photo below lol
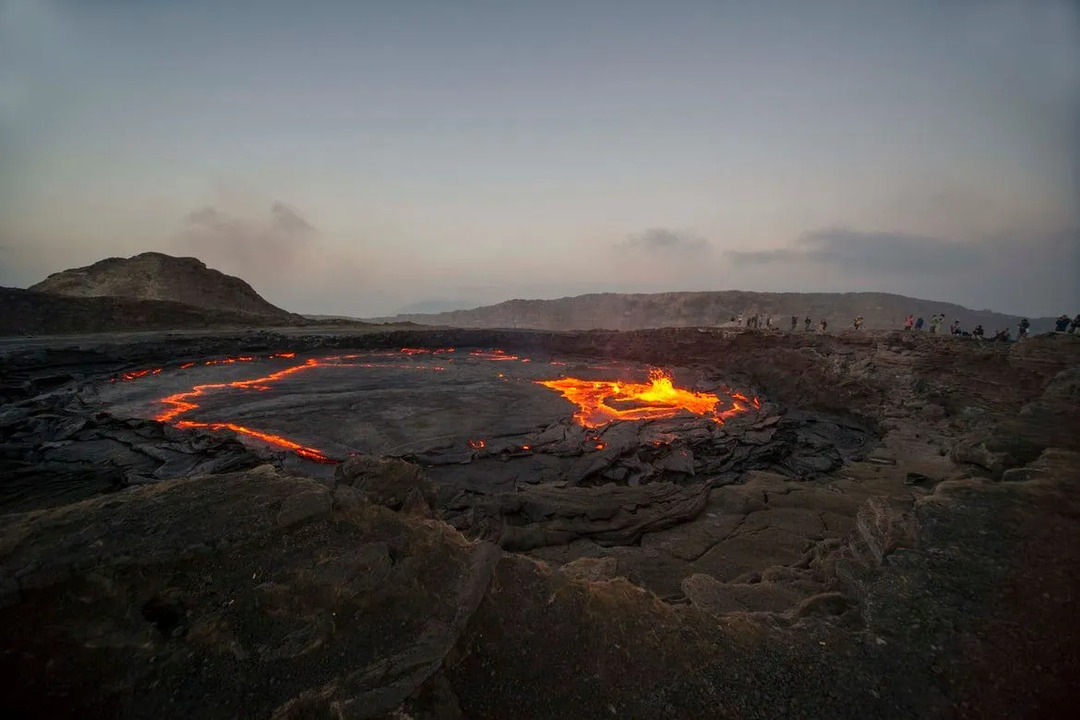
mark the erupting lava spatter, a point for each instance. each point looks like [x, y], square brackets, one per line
[601, 401]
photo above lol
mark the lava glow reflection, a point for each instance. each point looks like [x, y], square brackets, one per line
[601, 401]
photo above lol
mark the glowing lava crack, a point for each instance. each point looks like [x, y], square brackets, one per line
[181, 403]
[601, 401]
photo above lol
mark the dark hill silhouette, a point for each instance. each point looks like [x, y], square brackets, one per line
[618, 311]
[156, 276]
[26, 312]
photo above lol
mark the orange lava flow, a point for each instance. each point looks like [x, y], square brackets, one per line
[184, 402]
[496, 355]
[179, 404]
[602, 401]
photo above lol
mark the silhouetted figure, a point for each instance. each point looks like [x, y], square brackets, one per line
[807, 329]
[977, 332]
[1023, 325]
[823, 325]
[909, 322]
[795, 322]
[955, 329]
[1061, 324]
[858, 323]
[935, 323]
[1075, 324]
[768, 322]
[919, 324]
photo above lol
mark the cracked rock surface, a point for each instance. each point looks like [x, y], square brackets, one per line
[889, 538]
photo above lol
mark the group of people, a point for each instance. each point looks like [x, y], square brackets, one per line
[936, 325]
[1061, 324]
[769, 323]
[1064, 324]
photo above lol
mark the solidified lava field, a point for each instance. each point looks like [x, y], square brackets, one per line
[533, 451]
[674, 523]
[416, 402]
[544, 419]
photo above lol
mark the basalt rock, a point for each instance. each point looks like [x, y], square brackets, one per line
[607, 515]
[391, 483]
[795, 590]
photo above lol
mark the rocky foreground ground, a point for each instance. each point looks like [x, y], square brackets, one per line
[926, 568]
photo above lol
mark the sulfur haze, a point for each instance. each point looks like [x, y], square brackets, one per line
[361, 157]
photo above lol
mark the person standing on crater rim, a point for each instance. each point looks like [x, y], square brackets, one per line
[1023, 326]
[807, 329]
[1075, 324]
[858, 323]
[823, 325]
[909, 322]
[795, 322]
[1062, 323]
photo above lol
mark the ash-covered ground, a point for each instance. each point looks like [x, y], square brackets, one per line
[369, 524]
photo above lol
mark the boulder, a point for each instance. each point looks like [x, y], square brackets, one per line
[389, 482]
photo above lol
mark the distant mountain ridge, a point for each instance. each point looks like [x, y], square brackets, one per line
[622, 311]
[159, 277]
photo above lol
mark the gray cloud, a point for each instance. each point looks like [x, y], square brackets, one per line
[873, 252]
[1021, 271]
[264, 248]
[664, 242]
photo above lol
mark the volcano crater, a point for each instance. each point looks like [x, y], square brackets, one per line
[532, 453]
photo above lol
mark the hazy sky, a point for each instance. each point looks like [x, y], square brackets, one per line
[357, 157]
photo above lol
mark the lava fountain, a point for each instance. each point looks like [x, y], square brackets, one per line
[602, 401]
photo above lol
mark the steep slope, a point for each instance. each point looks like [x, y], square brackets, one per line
[617, 311]
[155, 276]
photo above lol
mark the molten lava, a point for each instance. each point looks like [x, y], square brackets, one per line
[496, 355]
[179, 404]
[182, 403]
[601, 401]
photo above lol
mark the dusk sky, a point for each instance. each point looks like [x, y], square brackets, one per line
[359, 157]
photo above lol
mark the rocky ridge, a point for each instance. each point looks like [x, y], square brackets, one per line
[628, 311]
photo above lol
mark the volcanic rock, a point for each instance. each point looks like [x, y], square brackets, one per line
[804, 580]
[608, 515]
[156, 276]
[394, 484]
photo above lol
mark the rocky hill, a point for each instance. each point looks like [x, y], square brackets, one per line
[618, 311]
[156, 276]
[26, 312]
